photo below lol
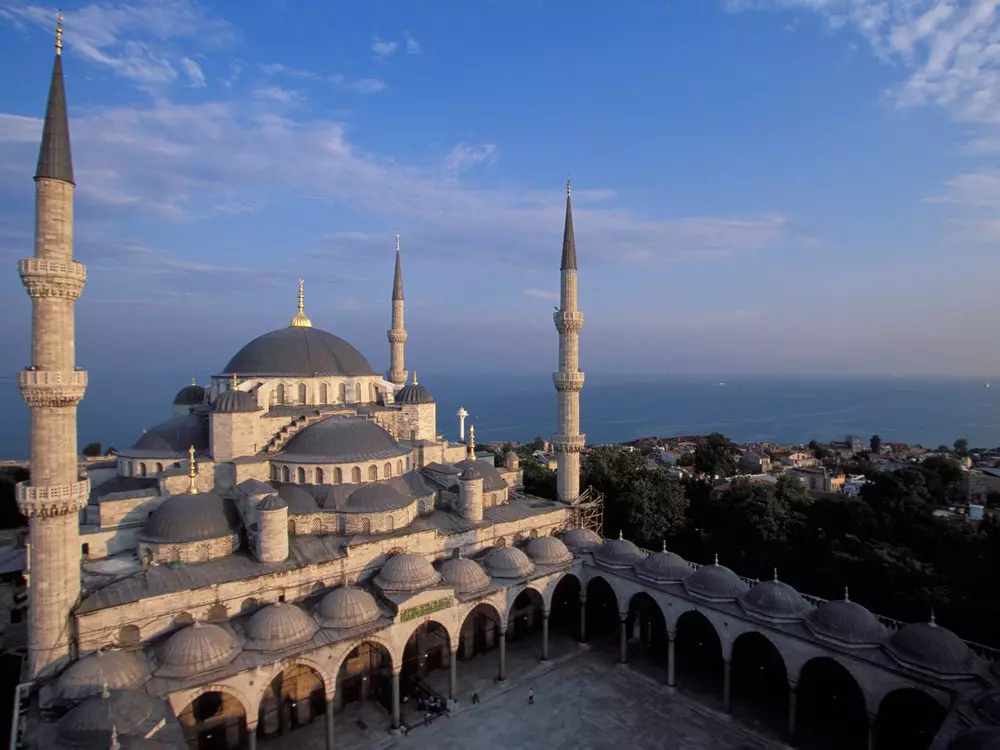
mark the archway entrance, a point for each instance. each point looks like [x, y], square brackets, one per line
[294, 698]
[831, 708]
[699, 656]
[759, 683]
[213, 721]
[603, 620]
[564, 616]
[525, 616]
[908, 719]
[479, 633]
[426, 650]
[366, 674]
[647, 632]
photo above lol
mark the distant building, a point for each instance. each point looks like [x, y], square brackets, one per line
[752, 462]
[819, 479]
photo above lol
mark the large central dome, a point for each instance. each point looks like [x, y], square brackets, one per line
[300, 351]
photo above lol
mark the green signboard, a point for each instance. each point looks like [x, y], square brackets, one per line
[425, 609]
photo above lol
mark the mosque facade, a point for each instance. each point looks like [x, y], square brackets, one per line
[299, 536]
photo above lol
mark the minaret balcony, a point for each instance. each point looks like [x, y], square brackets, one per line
[52, 387]
[568, 381]
[568, 321]
[569, 443]
[397, 335]
[52, 278]
[52, 500]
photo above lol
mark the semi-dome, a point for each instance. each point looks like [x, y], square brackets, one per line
[343, 439]
[375, 498]
[174, 436]
[272, 502]
[126, 711]
[301, 351]
[715, 582]
[197, 649]
[279, 626]
[413, 393]
[190, 518]
[927, 645]
[119, 670]
[299, 500]
[406, 573]
[978, 738]
[547, 550]
[846, 621]
[465, 576]
[775, 600]
[190, 395]
[509, 562]
[235, 402]
[664, 567]
[471, 473]
[492, 479]
[618, 553]
[581, 539]
[347, 607]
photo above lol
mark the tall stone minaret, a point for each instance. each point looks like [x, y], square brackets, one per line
[568, 441]
[397, 334]
[52, 387]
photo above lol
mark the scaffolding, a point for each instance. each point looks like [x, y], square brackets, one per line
[588, 511]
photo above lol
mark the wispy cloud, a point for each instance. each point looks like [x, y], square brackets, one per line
[382, 48]
[357, 85]
[541, 294]
[413, 47]
[276, 94]
[463, 156]
[976, 189]
[194, 72]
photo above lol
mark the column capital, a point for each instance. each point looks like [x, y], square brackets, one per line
[623, 616]
[397, 671]
[671, 635]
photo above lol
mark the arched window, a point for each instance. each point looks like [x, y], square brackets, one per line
[371, 393]
[319, 476]
[343, 392]
[285, 474]
[142, 469]
[399, 466]
[387, 470]
[373, 473]
[356, 475]
[274, 473]
[407, 463]
[338, 476]
[159, 468]
[291, 527]
[317, 526]
[301, 475]
[302, 393]
[128, 468]
[324, 393]
[389, 523]
[366, 526]
[280, 398]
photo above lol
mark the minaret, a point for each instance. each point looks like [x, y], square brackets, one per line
[53, 386]
[568, 441]
[397, 334]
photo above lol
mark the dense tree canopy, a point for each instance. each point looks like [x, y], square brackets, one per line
[716, 457]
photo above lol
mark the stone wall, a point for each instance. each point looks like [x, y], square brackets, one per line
[107, 542]
[348, 473]
[176, 483]
[126, 508]
[188, 552]
[234, 435]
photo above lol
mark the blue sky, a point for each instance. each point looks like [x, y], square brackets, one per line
[760, 186]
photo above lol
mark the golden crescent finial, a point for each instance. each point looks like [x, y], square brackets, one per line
[300, 320]
[59, 20]
[192, 473]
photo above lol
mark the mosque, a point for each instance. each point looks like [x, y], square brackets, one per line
[299, 538]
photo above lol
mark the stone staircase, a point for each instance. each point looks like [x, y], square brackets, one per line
[278, 441]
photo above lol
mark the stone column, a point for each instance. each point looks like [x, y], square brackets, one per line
[871, 731]
[623, 656]
[395, 698]
[793, 697]
[251, 737]
[727, 685]
[329, 722]
[671, 660]
[502, 669]
[583, 619]
[545, 636]
[453, 675]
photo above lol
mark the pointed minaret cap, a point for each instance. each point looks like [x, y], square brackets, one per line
[55, 160]
[397, 279]
[300, 320]
[569, 241]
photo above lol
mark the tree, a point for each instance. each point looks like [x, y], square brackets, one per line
[715, 456]
[790, 489]
[818, 451]
[876, 444]
[92, 450]
[962, 447]
[657, 506]
[539, 480]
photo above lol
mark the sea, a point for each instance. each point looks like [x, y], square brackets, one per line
[924, 411]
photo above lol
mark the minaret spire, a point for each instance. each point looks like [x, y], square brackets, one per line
[53, 386]
[397, 333]
[568, 440]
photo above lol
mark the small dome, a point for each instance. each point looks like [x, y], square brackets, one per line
[547, 550]
[511, 459]
[925, 644]
[272, 502]
[470, 473]
[979, 738]
[492, 479]
[846, 621]
[190, 518]
[175, 436]
[197, 649]
[581, 539]
[509, 562]
[406, 573]
[119, 670]
[375, 498]
[279, 626]
[465, 576]
[127, 711]
[413, 393]
[190, 395]
[343, 440]
[618, 553]
[664, 567]
[235, 402]
[775, 600]
[347, 607]
[715, 582]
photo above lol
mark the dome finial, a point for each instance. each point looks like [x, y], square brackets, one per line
[114, 737]
[300, 320]
[59, 20]
[716, 559]
[234, 381]
[847, 594]
[933, 622]
[459, 553]
[620, 536]
[775, 575]
[105, 693]
[194, 380]
[192, 473]
[415, 378]
[664, 545]
[472, 442]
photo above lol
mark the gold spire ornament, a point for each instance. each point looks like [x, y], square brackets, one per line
[192, 473]
[59, 20]
[194, 380]
[234, 384]
[300, 320]
[472, 442]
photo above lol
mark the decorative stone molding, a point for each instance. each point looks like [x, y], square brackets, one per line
[568, 322]
[397, 335]
[569, 443]
[52, 278]
[568, 381]
[41, 388]
[52, 500]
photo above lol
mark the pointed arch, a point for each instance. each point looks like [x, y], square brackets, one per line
[373, 473]
[280, 394]
[908, 718]
[324, 393]
[698, 649]
[602, 609]
[303, 394]
[759, 681]
[831, 705]
[479, 632]
[338, 476]
[285, 474]
[356, 475]
[387, 470]
[319, 475]
[300, 475]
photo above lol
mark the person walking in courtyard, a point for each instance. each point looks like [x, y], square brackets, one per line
[475, 698]
[531, 696]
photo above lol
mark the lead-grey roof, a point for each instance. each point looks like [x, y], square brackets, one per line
[119, 483]
[272, 502]
[235, 402]
[128, 711]
[414, 393]
[376, 497]
[342, 440]
[174, 436]
[299, 351]
[492, 479]
[190, 395]
[55, 159]
[190, 518]
[926, 644]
